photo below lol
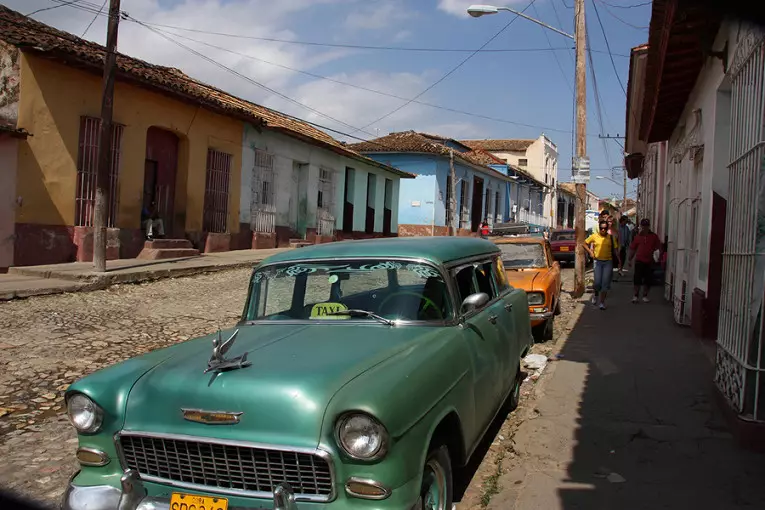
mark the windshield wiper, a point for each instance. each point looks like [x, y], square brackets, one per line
[363, 313]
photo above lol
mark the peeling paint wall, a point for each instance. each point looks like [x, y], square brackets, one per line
[297, 165]
[9, 85]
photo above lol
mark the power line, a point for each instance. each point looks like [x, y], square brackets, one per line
[452, 71]
[605, 37]
[367, 89]
[605, 6]
[566, 77]
[62, 4]
[598, 100]
[626, 6]
[90, 7]
[94, 19]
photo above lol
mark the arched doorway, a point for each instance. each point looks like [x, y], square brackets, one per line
[160, 171]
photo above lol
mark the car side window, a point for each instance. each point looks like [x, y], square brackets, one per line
[500, 277]
[465, 282]
[483, 276]
[548, 252]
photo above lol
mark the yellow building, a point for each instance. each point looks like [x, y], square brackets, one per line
[175, 142]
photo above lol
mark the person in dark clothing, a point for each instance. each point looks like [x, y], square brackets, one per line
[643, 247]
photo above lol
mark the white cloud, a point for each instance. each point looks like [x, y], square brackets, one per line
[379, 16]
[402, 35]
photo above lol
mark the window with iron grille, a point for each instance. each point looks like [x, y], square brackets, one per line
[87, 169]
[215, 218]
[325, 203]
[448, 202]
[262, 203]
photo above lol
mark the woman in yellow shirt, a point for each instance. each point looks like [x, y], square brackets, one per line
[601, 245]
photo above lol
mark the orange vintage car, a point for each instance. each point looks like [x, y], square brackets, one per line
[530, 266]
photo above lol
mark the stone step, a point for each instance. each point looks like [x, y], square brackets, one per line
[164, 244]
[299, 243]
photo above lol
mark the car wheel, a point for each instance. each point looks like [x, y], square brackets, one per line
[557, 307]
[436, 490]
[544, 331]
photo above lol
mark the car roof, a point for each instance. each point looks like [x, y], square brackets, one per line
[438, 249]
[519, 240]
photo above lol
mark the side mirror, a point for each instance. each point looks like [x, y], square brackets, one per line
[475, 301]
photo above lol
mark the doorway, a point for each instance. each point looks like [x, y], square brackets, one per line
[159, 178]
[475, 213]
[302, 199]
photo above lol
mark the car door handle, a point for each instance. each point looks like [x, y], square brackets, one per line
[509, 307]
[493, 319]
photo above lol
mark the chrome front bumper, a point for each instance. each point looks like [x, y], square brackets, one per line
[540, 316]
[133, 496]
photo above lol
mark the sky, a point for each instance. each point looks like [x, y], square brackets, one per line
[519, 86]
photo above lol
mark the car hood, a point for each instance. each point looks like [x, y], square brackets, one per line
[523, 279]
[283, 394]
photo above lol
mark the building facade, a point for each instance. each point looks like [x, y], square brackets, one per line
[700, 165]
[297, 190]
[566, 205]
[538, 158]
[177, 147]
[480, 190]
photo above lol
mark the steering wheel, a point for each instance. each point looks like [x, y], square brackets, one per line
[428, 302]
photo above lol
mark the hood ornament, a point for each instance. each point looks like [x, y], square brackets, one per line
[218, 362]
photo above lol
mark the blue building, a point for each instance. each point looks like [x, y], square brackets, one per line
[482, 182]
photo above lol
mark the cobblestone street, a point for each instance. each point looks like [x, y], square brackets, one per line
[49, 342]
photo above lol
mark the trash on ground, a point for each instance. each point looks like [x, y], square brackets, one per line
[616, 478]
[535, 361]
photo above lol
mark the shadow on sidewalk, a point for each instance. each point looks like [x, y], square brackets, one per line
[646, 415]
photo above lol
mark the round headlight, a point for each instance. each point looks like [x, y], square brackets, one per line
[536, 298]
[84, 414]
[361, 436]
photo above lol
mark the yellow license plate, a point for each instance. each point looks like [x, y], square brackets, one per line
[180, 501]
[564, 248]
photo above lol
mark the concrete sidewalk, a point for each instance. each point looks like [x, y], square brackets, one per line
[626, 418]
[29, 281]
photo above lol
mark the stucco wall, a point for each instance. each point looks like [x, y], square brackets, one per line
[8, 159]
[53, 97]
[9, 84]
[293, 156]
[698, 179]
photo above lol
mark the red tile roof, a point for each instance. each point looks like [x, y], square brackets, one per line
[499, 145]
[567, 187]
[45, 41]
[412, 141]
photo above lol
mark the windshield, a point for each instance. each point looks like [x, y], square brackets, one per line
[521, 255]
[308, 291]
[563, 236]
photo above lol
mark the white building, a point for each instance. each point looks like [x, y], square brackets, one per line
[298, 183]
[538, 157]
[696, 141]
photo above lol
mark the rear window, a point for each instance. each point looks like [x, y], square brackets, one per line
[563, 236]
[523, 255]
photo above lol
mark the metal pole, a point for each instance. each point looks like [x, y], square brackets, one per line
[104, 141]
[581, 146]
[451, 230]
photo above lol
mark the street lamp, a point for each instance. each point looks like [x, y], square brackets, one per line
[483, 10]
[581, 161]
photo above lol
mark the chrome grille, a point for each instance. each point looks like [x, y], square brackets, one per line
[230, 468]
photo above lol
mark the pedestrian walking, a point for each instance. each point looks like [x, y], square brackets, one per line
[601, 247]
[643, 248]
[484, 229]
[625, 240]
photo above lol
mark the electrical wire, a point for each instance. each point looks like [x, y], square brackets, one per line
[626, 6]
[452, 71]
[598, 100]
[605, 6]
[94, 19]
[566, 77]
[62, 4]
[367, 89]
[605, 37]
[93, 8]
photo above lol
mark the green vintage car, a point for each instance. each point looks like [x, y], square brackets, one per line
[360, 375]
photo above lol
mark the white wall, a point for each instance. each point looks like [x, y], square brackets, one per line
[287, 153]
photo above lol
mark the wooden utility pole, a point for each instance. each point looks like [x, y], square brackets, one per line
[101, 212]
[581, 145]
[450, 229]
